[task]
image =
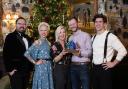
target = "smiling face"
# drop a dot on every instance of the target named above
(73, 24)
(99, 24)
(43, 31)
(62, 34)
(21, 25)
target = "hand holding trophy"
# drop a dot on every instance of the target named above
(64, 52)
(73, 48)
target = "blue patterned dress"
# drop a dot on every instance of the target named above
(42, 78)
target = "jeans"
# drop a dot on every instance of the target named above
(80, 76)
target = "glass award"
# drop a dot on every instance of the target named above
(71, 47)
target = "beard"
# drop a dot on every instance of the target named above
(21, 30)
(22, 27)
(75, 29)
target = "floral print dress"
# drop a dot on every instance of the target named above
(42, 78)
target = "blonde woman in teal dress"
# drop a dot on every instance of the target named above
(39, 55)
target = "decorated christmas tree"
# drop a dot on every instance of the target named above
(53, 12)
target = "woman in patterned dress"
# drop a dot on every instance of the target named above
(39, 55)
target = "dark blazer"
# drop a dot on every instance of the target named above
(13, 53)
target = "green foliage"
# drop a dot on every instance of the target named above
(53, 12)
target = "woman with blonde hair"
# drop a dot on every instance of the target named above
(61, 59)
(39, 55)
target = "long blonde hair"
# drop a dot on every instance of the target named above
(57, 32)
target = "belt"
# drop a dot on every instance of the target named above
(44, 59)
(98, 65)
(61, 63)
(80, 63)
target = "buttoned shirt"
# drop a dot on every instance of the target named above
(84, 41)
(113, 44)
(25, 41)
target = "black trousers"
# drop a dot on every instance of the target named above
(120, 75)
(101, 78)
(61, 76)
(20, 80)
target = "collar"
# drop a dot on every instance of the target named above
(77, 32)
(103, 33)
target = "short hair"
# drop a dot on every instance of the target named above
(70, 18)
(44, 24)
(57, 32)
(100, 16)
(19, 19)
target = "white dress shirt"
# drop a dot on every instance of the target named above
(114, 44)
(25, 42)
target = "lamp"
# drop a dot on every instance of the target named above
(10, 19)
(8, 16)
(15, 16)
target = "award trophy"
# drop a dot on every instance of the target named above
(71, 47)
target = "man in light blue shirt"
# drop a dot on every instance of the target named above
(80, 58)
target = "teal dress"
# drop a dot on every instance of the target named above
(42, 78)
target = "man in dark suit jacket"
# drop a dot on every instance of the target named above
(16, 43)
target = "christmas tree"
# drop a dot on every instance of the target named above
(53, 12)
